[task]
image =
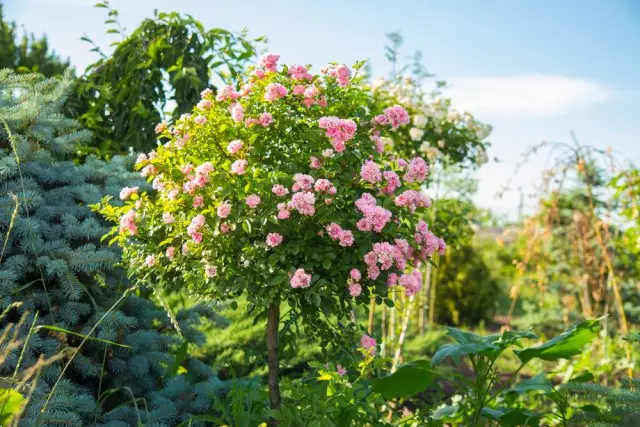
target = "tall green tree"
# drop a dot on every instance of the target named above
(27, 53)
(156, 73)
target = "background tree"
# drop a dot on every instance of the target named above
(155, 73)
(27, 53)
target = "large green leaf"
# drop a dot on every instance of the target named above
(537, 383)
(513, 416)
(10, 404)
(567, 344)
(408, 380)
(456, 351)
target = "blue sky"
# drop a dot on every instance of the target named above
(534, 69)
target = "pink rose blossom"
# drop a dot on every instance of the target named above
(300, 279)
(150, 260)
(368, 343)
(128, 223)
(370, 172)
(302, 182)
(269, 61)
(239, 167)
(224, 210)
(200, 120)
(168, 218)
(341, 370)
(160, 127)
(355, 274)
(396, 116)
(338, 130)
(417, 170)
(224, 228)
(198, 202)
(170, 252)
(237, 112)
(265, 119)
(315, 163)
(303, 203)
(298, 90)
(324, 186)
(392, 182)
(204, 104)
(210, 271)
(186, 169)
(253, 201)
(346, 238)
(275, 91)
(274, 239)
(279, 190)
(235, 146)
(196, 236)
(148, 170)
(355, 289)
(126, 192)
(227, 93)
(299, 72)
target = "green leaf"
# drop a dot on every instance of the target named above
(513, 416)
(408, 380)
(537, 383)
(456, 351)
(582, 378)
(181, 356)
(10, 404)
(567, 344)
(246, 226)
(444, 412)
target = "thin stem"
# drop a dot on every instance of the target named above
(273, 323)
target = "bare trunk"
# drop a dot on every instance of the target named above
(273, 323)
(403, 333)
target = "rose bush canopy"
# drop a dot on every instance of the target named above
(281, 190)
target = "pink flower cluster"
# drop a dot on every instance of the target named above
(324, 186)
(417, 170)
(392, 182)
(315, 163)
(355, 289)
(264, 120)
(237, 112)
(160, 127)
(224, 210)
(279, 190)
(227, 93)
(338, 130)
(428, 241)
(273, 239)
(168, 218)
(127, 192)
(302, 182)
(335, 232)
(300, 279)
(275, 91)
(128, 223)
(341, 73)
(198, 180)
(235, 146)
(239, 167)
(375, 217)
(304, 203)
(370, 172)
(283, 211)
(412, 199)
(193, 230)
(269, 61)
(395, 116)
(299, 72)
(368, 343)
(384, 255)
(253, 201)
(411, 282)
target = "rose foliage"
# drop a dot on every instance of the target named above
(281, 190)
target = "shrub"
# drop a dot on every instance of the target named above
(283, 191)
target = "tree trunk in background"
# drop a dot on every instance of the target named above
(273, 323)
(372, 316)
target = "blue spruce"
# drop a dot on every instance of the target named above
(54, 266)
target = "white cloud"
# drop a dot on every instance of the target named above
(524, 96)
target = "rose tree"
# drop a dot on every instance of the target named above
(281, 191)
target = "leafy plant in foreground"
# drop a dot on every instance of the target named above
(490, 396)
